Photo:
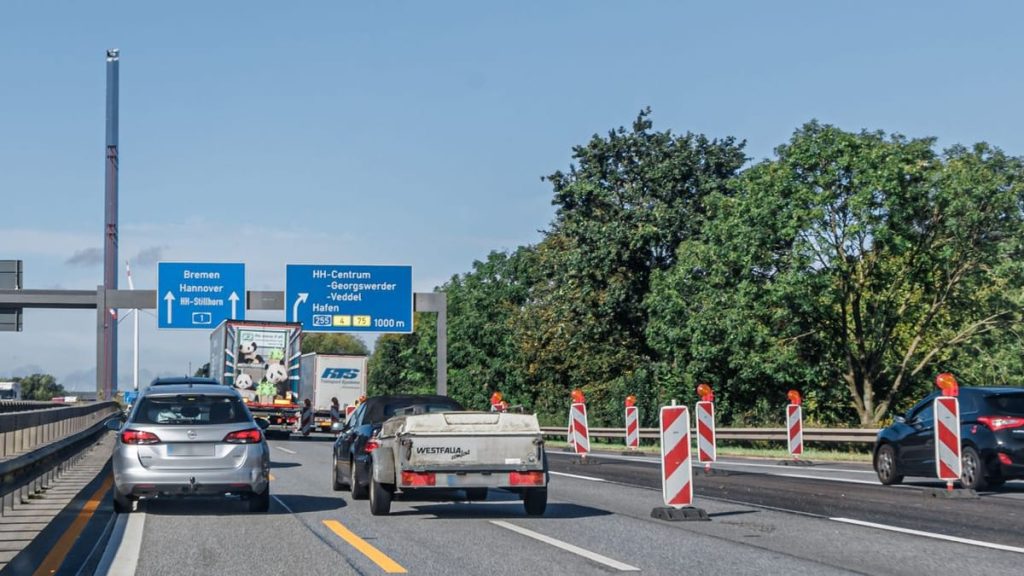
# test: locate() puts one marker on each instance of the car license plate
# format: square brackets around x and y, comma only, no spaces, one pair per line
[190,449]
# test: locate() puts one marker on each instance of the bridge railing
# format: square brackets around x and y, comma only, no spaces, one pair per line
[828,435]
[37,446]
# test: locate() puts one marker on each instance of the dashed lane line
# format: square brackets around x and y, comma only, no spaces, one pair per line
[577,476]
[600,559]
[378,557]
[933,535]
[283,449]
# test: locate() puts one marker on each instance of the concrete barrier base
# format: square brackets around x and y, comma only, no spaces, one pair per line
[687,514]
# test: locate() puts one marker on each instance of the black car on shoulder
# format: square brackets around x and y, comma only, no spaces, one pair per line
[351,462]
[991,435]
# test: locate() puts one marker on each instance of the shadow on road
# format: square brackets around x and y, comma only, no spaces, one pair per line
[227,506]
[274,464]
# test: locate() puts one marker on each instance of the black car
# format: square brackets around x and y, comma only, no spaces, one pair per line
[991,434]
[351,462]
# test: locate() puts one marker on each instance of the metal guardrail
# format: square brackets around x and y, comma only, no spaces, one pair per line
[23,405]
[833,435]
[37,446]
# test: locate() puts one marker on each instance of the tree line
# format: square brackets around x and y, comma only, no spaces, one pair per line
[851,266]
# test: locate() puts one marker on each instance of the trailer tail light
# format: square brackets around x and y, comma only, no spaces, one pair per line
[250,436]
[370,446]
[1001,422]
[139,437]
[535,478]
[414,479]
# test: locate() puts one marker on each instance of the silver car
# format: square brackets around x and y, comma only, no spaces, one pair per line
[190,439]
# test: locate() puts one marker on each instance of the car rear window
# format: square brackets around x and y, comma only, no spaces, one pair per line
[191,410]
[380,412]
[1007,404]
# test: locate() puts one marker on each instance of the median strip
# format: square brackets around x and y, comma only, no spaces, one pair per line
[594,556]
[378,557]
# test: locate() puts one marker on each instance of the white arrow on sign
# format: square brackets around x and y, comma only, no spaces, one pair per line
[169,298]
[295,307]
[234,304]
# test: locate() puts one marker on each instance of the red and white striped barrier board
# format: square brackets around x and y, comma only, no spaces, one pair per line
[349,410]
[795,425]
[580,432]
[706,432]
[676,470]
[947,438]
[568,433]
[632,427]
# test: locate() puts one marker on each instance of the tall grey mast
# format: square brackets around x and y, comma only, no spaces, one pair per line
[106,371]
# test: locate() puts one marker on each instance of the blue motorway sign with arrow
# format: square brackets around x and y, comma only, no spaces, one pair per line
[199,294]
[339,298]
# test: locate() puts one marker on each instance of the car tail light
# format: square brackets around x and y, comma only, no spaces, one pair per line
[1005,459]
[250,436]
[418,478]
[535,478]
[139,437]
[1001,422]
[370,446]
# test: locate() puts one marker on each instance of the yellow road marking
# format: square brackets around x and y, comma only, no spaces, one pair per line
[378,557]
[60,550]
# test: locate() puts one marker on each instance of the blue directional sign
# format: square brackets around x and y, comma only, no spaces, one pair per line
[339,298]
[199,294]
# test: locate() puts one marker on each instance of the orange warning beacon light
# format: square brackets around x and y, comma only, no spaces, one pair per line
[948,384]
[577,396]
[630,401]
[794,397]
[496,398]
[705,393]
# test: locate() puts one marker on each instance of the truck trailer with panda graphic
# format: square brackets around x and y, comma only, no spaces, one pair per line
[261,361]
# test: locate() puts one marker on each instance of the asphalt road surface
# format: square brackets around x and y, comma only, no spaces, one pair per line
[765,519]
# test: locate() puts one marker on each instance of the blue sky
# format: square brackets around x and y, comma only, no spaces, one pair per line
[416,133]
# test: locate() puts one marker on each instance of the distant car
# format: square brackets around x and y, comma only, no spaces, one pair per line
[351,462]
[190,440]
[992,439]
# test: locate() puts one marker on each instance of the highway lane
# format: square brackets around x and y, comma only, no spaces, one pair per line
[598,522]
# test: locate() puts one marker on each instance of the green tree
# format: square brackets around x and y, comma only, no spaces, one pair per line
[853,265]
[623,207]
[203,371]
[402,363]
[334,343]
[40,387]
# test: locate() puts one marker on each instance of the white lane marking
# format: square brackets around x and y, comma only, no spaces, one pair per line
[126,558]
[567,547]
[848,480]
[968,541]
[282,449]
[281,502]
[577,476]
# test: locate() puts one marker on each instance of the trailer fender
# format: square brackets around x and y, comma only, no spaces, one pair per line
[384,465]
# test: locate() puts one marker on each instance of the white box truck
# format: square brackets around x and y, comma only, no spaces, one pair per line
[326,376]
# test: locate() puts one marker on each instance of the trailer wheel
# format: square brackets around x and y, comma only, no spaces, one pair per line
[535,500]
[380,498]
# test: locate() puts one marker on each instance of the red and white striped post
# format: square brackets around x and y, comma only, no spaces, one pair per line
[795,425]
[676,470]
[578,424]
[705,409]
[349,409]
[632,424]
[948,465]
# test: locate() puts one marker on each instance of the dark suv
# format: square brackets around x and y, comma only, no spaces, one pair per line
[351,462]
[991,434]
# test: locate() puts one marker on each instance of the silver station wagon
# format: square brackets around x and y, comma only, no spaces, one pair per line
[190,438]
